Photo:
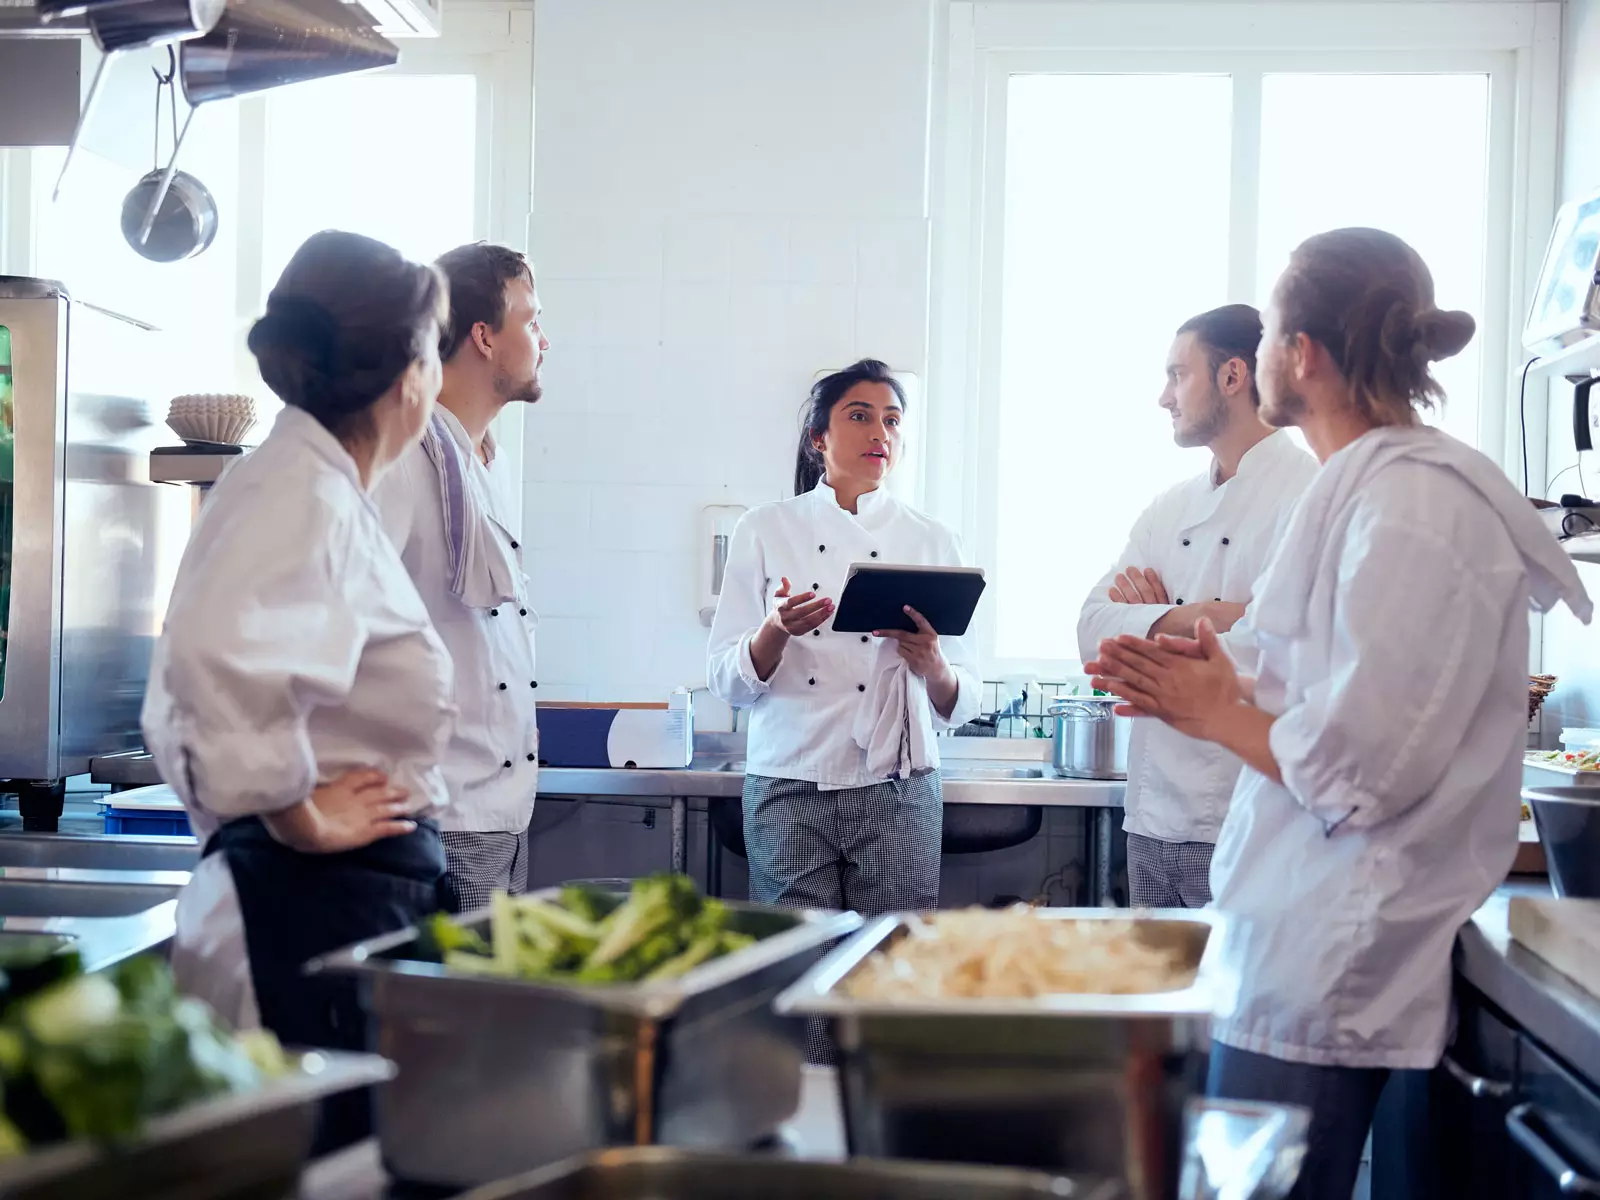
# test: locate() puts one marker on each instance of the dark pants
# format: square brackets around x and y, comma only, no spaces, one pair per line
[1341,1101]
[298,906]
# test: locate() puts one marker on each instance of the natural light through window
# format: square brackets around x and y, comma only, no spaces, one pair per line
[1116,231]
[390,156]
[1406,153]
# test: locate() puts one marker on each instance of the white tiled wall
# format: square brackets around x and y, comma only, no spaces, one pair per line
[728,196]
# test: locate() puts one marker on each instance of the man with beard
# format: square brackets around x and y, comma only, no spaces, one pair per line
[1195,552]
[1382,715]
[452,511]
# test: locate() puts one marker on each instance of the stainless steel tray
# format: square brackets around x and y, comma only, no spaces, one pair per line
[660,1174]
[237,1147]
[499,1076]
[1074,1083]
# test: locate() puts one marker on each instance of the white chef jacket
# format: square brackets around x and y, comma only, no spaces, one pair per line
[492,764]
[1207,541]
[801,720]
[295,649]
[1392,629]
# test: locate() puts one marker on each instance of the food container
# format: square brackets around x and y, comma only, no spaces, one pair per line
[661,1174]
[498,1076]
[1580,739]
[1076,1083]
[249,1144]
[1091,741]
[1568,819]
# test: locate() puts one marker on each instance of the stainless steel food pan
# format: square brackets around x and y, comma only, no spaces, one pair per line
[1075,1083]
[663,1174]
[499,1076]
[237,1147]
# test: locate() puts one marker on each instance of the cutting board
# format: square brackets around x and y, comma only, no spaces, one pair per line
[1565,933]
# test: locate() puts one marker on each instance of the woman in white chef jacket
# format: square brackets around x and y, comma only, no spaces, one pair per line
[1383,722]
[842,802]
[299,699]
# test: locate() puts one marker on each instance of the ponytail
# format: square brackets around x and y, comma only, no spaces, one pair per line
[818,411]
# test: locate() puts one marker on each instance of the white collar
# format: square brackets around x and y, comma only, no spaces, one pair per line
[297,425]
[464,440]
[866,503]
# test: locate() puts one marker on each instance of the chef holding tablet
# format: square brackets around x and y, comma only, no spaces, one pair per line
[842,803]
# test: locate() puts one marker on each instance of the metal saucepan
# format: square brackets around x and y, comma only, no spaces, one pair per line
[185,224]
[1091,742]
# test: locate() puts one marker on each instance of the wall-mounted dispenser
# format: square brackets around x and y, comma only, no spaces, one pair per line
[716,537]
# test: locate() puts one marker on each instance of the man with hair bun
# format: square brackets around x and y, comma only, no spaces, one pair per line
[1380,714]
[1195,553]
[449,507]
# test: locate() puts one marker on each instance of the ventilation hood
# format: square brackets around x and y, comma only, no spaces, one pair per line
[71,18]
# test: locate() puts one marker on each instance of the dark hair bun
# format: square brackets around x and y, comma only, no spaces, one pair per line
[1446,332]
[347,317]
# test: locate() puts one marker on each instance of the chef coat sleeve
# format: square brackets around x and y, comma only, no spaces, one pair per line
[962,655]
[1101,617]
[244,667]
[1414,634]
[741,608]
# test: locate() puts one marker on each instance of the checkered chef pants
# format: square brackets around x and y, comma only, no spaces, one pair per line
[479,864]
[1168,874]
[873,850]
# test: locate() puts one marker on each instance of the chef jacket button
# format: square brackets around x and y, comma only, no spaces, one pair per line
[1224,541]
[812,682]
[502,687]
[1180,599]
[533,683]
[516,545]
[522,612]
[816,633]
[532,757]
[1217,599]
[816,587]
[861,687]
[507,764]
[822,549]
[874,554]
[494,612]
[1185,541]
[865,638]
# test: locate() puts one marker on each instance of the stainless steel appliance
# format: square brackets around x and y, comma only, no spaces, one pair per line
[1568,819]
[1091,741]
[88,544]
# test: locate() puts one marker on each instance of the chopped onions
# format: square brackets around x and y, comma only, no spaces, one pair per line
[1017,954]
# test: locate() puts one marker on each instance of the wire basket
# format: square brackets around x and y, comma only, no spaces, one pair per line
[1539,688]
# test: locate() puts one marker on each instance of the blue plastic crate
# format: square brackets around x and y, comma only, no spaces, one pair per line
[147,822]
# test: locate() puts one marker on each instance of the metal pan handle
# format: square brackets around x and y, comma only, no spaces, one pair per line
[1569,1180]
[1477,1086]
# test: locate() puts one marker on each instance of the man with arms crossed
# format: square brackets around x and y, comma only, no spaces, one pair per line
[451,509]
[1195,552]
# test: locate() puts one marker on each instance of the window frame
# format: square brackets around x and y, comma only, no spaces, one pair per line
[1517,45]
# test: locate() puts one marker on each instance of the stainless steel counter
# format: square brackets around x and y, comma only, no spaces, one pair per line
[1014,776]
[1549,1005]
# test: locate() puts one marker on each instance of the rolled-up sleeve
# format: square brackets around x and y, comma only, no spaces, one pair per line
[1102,617]
[236,677]
[1414,639]
[741,608]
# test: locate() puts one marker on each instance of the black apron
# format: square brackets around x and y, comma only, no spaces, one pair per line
[298,906]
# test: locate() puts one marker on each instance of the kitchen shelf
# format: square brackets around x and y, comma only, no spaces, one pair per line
[1577,360]
[1584,548]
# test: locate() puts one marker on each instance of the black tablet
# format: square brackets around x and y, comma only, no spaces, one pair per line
[875,597]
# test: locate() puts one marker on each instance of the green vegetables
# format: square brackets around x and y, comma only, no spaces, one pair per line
[95,1056]
[663,930]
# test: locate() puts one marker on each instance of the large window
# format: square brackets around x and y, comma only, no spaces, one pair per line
[1114,193]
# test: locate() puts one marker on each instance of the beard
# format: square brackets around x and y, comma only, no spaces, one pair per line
[513,391]
[1206,427]
[1281,405]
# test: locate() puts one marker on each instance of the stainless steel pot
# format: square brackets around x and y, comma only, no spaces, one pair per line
[1091,742]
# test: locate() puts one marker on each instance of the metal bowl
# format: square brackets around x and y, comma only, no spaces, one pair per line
[1568,819]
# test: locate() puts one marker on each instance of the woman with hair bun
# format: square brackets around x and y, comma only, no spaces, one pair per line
[842,801]
[299,698]
[1382,720]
